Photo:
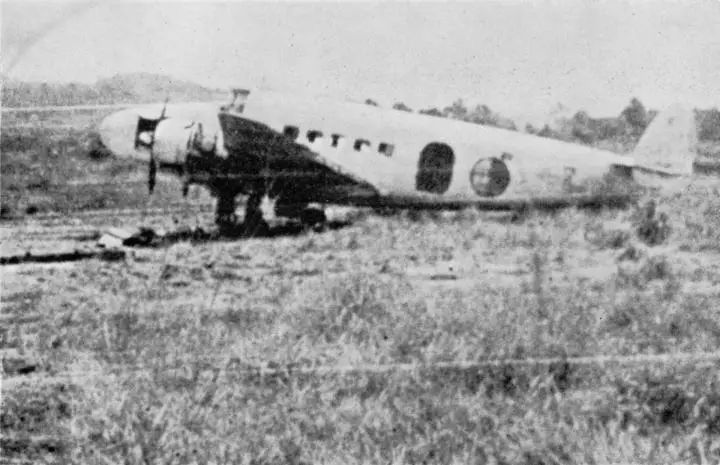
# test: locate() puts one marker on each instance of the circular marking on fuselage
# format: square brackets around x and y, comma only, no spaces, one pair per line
[490,177]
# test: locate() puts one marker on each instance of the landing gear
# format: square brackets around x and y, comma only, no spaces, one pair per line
[309,217]
[225,217]
[227,221]
[254,223]
[313,218]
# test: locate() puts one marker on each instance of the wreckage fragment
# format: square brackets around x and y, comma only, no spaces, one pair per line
[148,237]
[109,254]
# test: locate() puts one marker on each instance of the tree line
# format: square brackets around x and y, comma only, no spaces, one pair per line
[581,127]
[118,89]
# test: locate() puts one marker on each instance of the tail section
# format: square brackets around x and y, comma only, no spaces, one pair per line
[667,149]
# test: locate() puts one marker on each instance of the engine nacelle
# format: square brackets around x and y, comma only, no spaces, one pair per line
[172,141]
[188,143]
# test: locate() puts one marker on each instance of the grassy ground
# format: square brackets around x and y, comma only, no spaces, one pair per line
[148,360]
[156,345]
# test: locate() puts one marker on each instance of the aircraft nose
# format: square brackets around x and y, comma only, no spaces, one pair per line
[117,134]
[169,137]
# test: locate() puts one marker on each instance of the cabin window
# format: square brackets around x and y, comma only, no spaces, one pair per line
[336,139]
[386,149]
[313,134]
[490,177]
[435,168]
[359,143]
[291,132]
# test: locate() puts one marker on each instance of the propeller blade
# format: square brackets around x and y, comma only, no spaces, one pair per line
[185,183]
[152,173]
[162,114]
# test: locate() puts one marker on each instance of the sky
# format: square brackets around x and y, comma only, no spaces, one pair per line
[518,57]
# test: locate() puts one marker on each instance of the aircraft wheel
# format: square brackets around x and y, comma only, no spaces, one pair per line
[313,218]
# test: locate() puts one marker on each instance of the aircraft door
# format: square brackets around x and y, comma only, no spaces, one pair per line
[435,168]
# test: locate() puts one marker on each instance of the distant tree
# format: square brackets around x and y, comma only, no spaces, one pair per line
[636,116]
[582,128]
[610,128]
[581,117]
[530,129]
[402,107]
[547,132]
[583,134]
[457,110]
[118,89]
[371,102]
[45,93]
[432,112]
[506,123]
[482,114]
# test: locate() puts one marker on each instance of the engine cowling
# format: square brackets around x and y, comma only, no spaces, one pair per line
[188,144]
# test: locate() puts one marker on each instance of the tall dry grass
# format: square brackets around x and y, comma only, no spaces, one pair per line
[160,348]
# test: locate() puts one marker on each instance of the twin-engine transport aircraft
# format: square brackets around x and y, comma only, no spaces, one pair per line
[300,151]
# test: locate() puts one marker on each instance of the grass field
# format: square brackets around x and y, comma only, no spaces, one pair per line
[151,360]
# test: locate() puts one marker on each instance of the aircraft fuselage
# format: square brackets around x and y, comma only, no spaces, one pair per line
[419,161]
[308,149]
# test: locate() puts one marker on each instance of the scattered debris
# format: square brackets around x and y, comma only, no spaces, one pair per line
[110,255]
[115,237]
[13,363]
[148,237]
[111,245]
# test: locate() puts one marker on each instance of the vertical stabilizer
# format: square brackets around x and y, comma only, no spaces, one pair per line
[668,146]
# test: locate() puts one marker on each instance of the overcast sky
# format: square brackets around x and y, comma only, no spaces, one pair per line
[516,56]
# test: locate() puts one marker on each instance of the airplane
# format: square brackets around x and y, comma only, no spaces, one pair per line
[306,152]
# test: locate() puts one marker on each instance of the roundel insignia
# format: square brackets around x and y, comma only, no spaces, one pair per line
[490,177]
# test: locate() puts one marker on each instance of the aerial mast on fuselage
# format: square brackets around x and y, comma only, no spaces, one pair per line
[237,104]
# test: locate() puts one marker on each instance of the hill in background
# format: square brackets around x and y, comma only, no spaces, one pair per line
[121,88]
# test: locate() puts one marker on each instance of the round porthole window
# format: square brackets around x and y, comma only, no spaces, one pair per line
[490,177]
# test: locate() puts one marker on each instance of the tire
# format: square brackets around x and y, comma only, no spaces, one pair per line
[313,218]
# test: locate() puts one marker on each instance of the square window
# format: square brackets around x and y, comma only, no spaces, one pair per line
[386,149]
[359,143]
[313,134]
[292,132]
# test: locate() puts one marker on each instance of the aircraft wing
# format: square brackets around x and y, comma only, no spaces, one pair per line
[281,157]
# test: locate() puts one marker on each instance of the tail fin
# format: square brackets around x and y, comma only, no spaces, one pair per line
[667,149]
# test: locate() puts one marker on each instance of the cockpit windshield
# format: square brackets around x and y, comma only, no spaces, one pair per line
[237,104]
